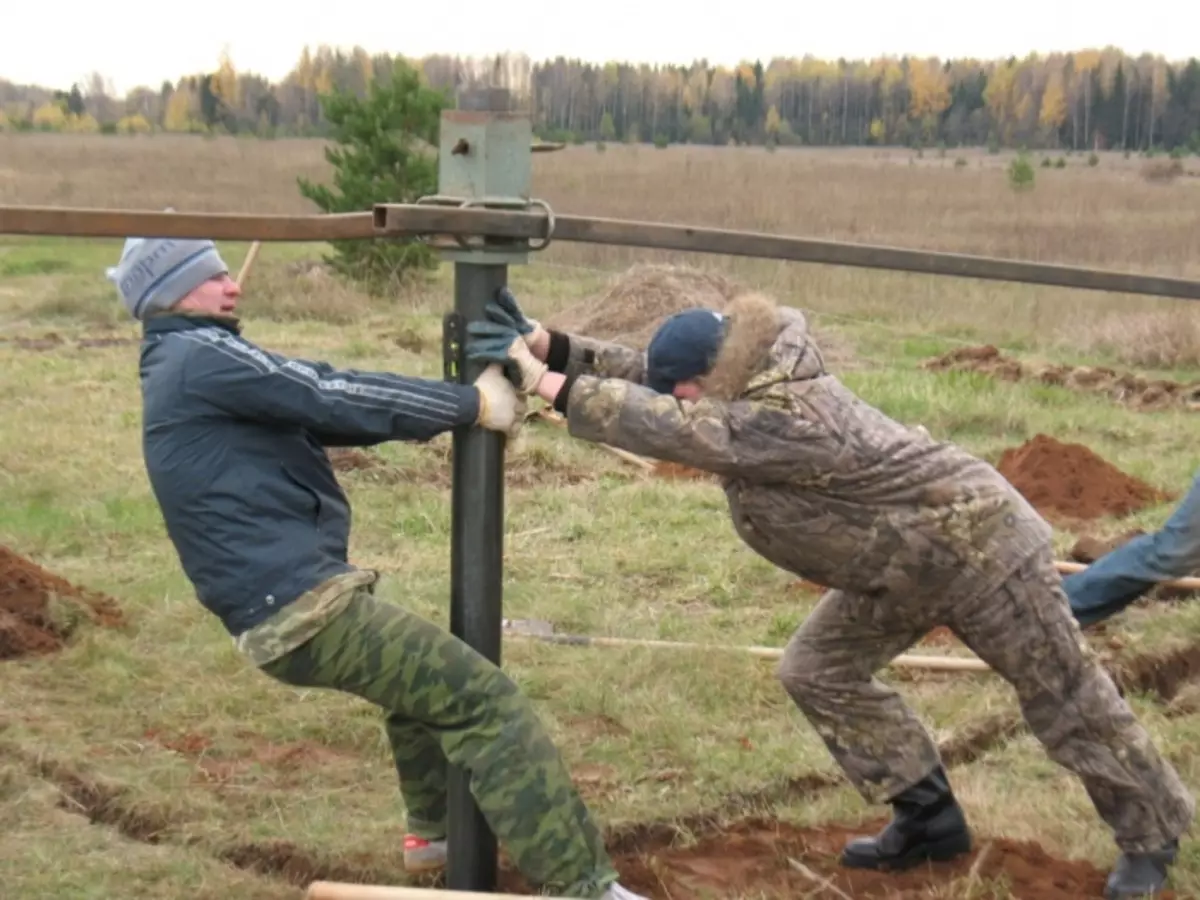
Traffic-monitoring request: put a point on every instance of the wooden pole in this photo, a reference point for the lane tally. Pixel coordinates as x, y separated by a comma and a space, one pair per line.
632, 458
904, 661
251, 256
337, 890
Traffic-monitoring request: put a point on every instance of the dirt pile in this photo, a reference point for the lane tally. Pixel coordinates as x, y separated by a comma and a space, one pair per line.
639, 299
751, 859
636, 301
1128, 388
1088, 549
1071, 481
39, 610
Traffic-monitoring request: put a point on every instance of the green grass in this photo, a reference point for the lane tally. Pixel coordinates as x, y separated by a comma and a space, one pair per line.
590, 545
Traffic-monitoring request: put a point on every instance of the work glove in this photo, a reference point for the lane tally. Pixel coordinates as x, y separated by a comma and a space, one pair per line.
504, 310
500, 407
492, 342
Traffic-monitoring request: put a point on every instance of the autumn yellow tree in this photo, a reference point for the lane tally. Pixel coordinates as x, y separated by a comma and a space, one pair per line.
998, 95
225, 83
135, 124
1054, 108
773, 124
50, 117
929, 95
180, 112
81, 124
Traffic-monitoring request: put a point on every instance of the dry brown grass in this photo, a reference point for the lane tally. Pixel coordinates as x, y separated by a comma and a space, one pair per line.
1108, 216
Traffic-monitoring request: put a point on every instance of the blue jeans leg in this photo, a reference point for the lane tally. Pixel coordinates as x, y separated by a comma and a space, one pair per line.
1118, 578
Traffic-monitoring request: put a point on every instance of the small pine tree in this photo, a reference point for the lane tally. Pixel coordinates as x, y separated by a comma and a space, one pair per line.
1020, 173
608, 130
379, 159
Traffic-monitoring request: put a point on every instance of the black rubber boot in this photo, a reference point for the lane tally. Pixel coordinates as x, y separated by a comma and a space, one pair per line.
928, 825
1140, 874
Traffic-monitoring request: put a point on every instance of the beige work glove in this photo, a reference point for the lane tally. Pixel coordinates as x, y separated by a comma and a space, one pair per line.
531, 368
501, 408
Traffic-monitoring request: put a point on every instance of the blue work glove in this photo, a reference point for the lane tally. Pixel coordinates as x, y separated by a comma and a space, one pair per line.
506, 311
489, 341
492, 342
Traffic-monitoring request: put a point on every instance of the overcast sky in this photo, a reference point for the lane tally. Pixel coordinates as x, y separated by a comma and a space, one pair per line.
136, 42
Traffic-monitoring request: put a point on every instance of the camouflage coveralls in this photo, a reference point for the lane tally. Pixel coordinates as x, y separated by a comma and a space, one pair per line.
445, 704
909, 533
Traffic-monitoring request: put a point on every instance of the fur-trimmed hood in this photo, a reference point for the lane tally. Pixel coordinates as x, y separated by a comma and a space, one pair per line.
764, 344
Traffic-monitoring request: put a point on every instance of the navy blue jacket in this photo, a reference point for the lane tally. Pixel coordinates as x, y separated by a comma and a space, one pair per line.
234, 438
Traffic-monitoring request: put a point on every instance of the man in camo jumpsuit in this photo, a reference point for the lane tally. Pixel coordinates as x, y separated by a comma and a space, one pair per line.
234, 441
908, 532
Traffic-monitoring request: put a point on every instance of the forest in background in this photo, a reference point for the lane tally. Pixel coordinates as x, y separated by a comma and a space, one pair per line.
1086, 100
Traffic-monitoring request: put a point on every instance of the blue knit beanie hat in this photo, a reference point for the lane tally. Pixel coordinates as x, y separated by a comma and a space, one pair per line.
684, 347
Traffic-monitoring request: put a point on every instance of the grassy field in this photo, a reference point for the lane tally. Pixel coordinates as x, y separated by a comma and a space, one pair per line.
149, 761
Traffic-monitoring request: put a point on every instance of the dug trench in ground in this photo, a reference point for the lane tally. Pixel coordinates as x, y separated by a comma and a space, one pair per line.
745, 857
750, 857
1127, 388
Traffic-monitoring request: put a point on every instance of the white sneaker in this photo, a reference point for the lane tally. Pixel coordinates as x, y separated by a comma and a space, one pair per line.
616, 892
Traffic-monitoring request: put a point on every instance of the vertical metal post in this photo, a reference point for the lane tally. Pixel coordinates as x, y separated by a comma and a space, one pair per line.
484, 157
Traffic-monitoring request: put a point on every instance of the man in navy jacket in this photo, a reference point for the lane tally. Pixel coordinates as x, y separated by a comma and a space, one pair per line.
234, 439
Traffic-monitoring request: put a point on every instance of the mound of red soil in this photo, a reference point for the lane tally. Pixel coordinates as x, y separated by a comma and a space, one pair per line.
1072, 481
752, 859
39, 610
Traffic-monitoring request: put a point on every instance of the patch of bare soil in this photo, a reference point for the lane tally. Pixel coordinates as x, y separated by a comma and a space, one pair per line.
638, 300
1127, 388
1088, 549
1071, 480
754, 857
40, 610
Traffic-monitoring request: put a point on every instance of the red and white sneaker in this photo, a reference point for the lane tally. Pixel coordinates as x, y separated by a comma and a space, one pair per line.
421, 855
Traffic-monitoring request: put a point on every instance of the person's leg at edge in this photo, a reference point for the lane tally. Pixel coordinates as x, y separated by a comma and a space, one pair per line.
1123, 575
478, 719
828, 669
423, 771
1026, 633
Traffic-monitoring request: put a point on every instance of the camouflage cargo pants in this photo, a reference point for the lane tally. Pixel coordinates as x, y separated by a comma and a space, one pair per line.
1026, 633
445, 703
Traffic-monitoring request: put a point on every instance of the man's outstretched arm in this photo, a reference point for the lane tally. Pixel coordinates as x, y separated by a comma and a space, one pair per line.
345, 405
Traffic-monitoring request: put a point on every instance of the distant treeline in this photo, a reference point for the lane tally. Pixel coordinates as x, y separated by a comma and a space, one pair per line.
1092, 99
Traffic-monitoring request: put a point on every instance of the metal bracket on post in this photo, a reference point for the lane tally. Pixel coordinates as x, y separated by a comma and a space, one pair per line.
485, 160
